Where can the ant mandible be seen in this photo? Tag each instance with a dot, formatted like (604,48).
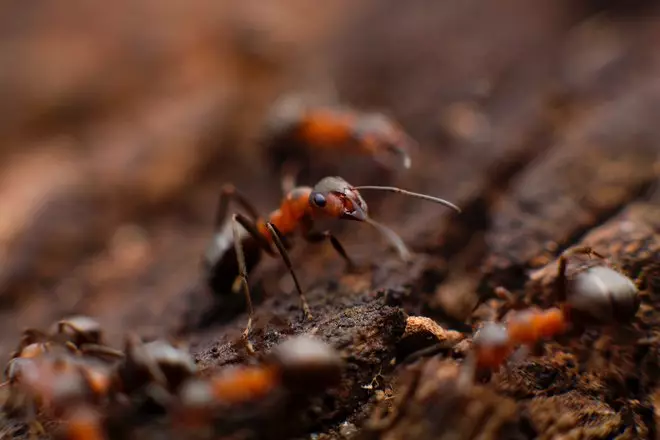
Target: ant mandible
(597,296)
(331,197)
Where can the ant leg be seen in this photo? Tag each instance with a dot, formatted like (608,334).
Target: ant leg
(561,281)
(230,192)
(71,347)
(316,237)
(237,220)
(511,302)
(580,250)
(134,350)
(100,350)
(32,335)
(285,256)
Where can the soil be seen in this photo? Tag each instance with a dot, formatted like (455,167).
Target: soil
(538,119)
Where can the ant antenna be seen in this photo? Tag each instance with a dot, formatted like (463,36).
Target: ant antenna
(412,194)
(392,237)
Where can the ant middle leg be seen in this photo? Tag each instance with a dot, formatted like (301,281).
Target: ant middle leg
(285,256)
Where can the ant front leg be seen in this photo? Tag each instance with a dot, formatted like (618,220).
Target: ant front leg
(100,351)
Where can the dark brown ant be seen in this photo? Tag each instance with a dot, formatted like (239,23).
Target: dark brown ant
(293,127)
(301,364)
(332,197)
(60,384)
(158,367)
(79,334)
(596,296)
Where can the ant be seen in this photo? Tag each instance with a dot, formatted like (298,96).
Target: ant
(156,367)
(596,296)
(294,124)
(299,365)
(60,384)
(79,334)
(331,197)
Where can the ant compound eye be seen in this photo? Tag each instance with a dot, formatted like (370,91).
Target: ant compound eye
(319,200)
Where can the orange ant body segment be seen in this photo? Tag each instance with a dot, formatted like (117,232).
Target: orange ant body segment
(83,423)
(494,343)
(243,384)
(293,124)
(597,296)
(331,197)
(301,364)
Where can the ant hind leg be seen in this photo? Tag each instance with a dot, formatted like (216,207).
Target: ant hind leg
(237,220)
(228,193)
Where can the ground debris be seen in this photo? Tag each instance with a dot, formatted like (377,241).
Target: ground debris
(573,415)
(429,403)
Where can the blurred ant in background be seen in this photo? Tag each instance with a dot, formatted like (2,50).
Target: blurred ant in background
(64,387)
(301,365)
(233,253)
(296,129)
(51,375)
(81,335)
(596,296)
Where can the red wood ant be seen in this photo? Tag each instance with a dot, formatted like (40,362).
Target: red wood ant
(156,367)
(596,296)
(332,197)
(300,364)
(79,334)
(63,385)
(295,125)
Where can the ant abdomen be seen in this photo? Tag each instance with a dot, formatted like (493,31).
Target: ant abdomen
(601,295)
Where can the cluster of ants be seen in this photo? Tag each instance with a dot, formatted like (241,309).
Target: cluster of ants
(596,296)
(71,375)
(599,295)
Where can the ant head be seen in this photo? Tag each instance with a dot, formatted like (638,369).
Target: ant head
(335,197)
(491,335)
